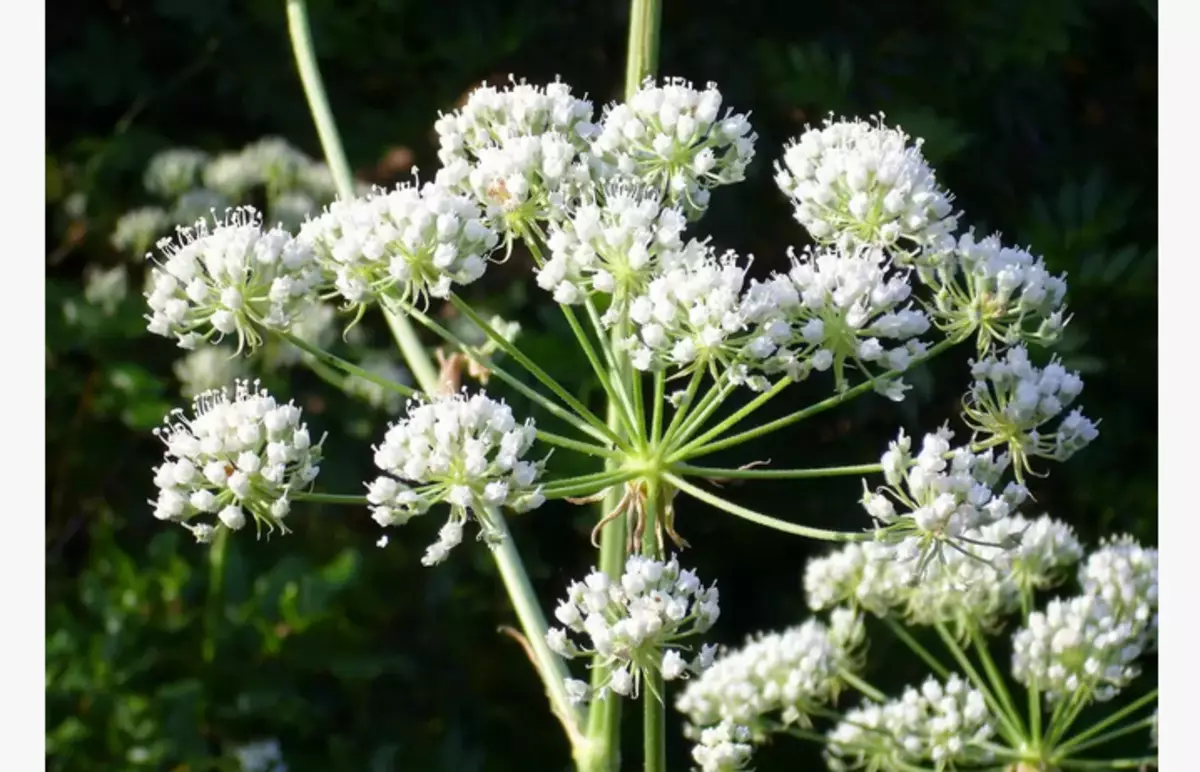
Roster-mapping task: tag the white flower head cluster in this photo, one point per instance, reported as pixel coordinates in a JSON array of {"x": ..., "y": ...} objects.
[
  {"x": 137, "y": 230},
  {"x": 948, "y": 725},
  {"x": 1077, "y": 644},
  {"x": 782, "y": 675},
  {"x": 206, "y": 368},
  {"x": 674, "y": 138},
  {"x": 517, "y": 150},
  {"x": 694, "y": 314},
  {"x": 407, "y": 243},
  {"x": 857, "y": 183},
  {"x": 270, "y": 161},
  {"x": 1006, "y": 291},
  {"x": 845, "y": 308},
  {"x": 612, "y": 243},
  {"x": 173, "y": 172},
  {"x": 635, "y": 623},
  {"x": 229, "y": 278},
  {"x": 979, "y": 582},
  {"x": 1012, "y": 401},
  {"x": 260, "y": 756},
  {"x": 943, "y": 494},
  {"x": 723, "y": 748},
  {"x": 465, "y": 451},
  {"x": 240, "y": 452},
  {"x": 1124, "y": 575}
]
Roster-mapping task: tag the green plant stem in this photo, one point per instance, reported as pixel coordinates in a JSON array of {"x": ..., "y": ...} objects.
[
  {"x": 590, "y": 487},
  {"x": 1137, "y": 763},
  {"x": 1065, "y": 718},
  {"x": 660, "y": 388},
  {"x": 550, "y": 666},
  {"x": 770, "y": 522},
  {"x": 609, "y": 380},
  {"x": 583, "y": 447},
  {"x": 685, "y": 405},
  {"x": 216, "y": 587},
  {"x": 695, "y": 448},
  {"x": 645, "y": 18},
  {"x": 912, "y": 643},
  {"x": 1136, "y": 726},
  {"x": 654, "y": 696},
  {"x": 734, "y": 419},
  {"x": 1108, "y": 721},
  {"x": 709, "y": 403},
  {"x": 1007, "y": 726},
  {"x": 331, "y": 145},
  {"x": 331, "y": 498},
  {"x": 713, "y": 473},
  {"x": 862, "y": 686},
  {"x": 349, "y": 368},
  {"x": 993, "y": 674}
]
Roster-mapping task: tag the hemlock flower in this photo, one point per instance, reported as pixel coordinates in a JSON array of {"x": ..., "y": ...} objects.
[
  {"x": 517, "y": 150},
  {"x": 674, "y": 138},
  {"x": 229, "y": 279},
  {"x": 406, "y": 244},
  {"x": 1005, "y": 293},
  {"x": 789, "y": 673},
  {"x": 946, "y": 724},
  {"x": 1011, "y": 402},
  {"x": 270, "y": 161},
  {"x": 173, "y": 172},
  {"x": 846, "y": 308},
  {"x": 613, "y": 243},
  {"x": 464, "y": 451},
  {"x": 855, "y": 184},
  {"x": 1124, "y": 575},
  {"x": 239, "y": 453},
  {"x": 865, "y": 575},
  {"x": 723, "y": 748},
  {"x": 1077, "y": 645},
  {"x": 137, "y": 230},
  {"x": 635, "y": 623}
]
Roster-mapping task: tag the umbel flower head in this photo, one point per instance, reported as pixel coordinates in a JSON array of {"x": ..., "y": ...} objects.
[
  {"x": 948, "y": 725},
  {"x": 783, "y": 676},
  {"x": 854, "y": 183},
  {"x": 1124, "y": 575},
  {"x": 846, "y": 309},
  {"x": 723, "y": 748},
  {"x": 138, "y": 229},
  {"x": 612, "y": 243},
  {"x": 674, "y": 138},
  {"x": 465, "y": 451},
  {"x": 239, "y": 453},
  {"x": 405, "y": 244},
  {"x": 229, "y": 278},
  {"x": 517, "y": 150},
  {"x": 635, "y": 623},
  {"x": 1011, "y": 400},
  {"x": 1005, "y": 293},
  {"x": 943, "y": 494},
  {"x": 174, "y": 172}
]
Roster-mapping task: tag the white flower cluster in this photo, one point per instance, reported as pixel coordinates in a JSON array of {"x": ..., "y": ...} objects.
[
  {"x": 980, "y": 582},
  {"x": 229, "y": 278},
  {"x": 1124, "y": 575},
  {"x": 260, "y": 756},
  {"x": 407, "y": 243},
  {"x": 790, "y": 672},
  {"x": 465, "y": 451},
  {"x": 943, "y": 493},
  {"x": 1006, "y": 291},
  {"x": 517, "y": 150},
  {"x": 272, "y": 162},
  {"x": 674, "y": 138},
  {"x": 239, "y": 452},
  {"x": 173, "y": 172},
  {"x": 138, "y": 229},
  {"x": 844, "y": 308},
  {"x": 613, "y": 243},
  {"x": 628, "y": 621},
  {"x": 723, "y": 748},
  {"x": 946, "y": 724},
  {"x": 1011, "y": 400},
  {"x": 206, "y": 368},
  {"x": 854, "y": 183}
]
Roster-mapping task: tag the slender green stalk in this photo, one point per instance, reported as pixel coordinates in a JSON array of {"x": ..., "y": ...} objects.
[
  {"x": 347, "y": 367},
  {"x": 761, "y": 519},
  {"x": 550, "y": 666},
  {"x": 654, "y": 696},
  {"x": 685, "y": 405},
  {"x": 912, "y": 643},
  {"x": 774, "y": 474},
  {"x": 330, "y": 498},
  {"x": 737, "y": 416},
  {"x": 1063, "y": 720},
  {"x": 1137, "y": 763},
  {"x": 609, "y": 380},
  {"x": 1108, "y": 721},
  {"x": 696, "y": 448},
  {"x": 1008, "y": 727},
  {"x": 589, "y": 487},
  {"x": 216, "y": 587},
  {"x": 583, "y": 447},
  {"x": 1136, "y": 726},
  {"x": 656, "y": 421},
  {"x": 331, "y": 144},
  {"x": 862, "y": 686},
  {"x": 993, "y": 674},
  {"x": 712, "y": 399}
]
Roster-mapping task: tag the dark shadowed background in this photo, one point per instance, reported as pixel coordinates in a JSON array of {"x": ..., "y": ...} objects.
[{"x": 1039, "y": 114}]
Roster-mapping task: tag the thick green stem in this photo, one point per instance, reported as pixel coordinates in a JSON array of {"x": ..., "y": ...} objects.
[
  {"x": 771, "y": 522},
  {"x": 550, "y": 666},
  {"x": 216, "y": 587},
  {"x": 645, "y": 18}
]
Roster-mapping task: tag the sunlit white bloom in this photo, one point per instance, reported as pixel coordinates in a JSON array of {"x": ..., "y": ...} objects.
[
  {"x": 636, "y": 622},
  {"x": 723, "y": 748},
  {"x": 1124, "y": 575},
  {"x": 466, "y": 451},
  {"x": 239, "y": 454}
]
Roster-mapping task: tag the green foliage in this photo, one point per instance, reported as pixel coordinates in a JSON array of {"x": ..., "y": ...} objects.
[{"x": 359, "y": 658}]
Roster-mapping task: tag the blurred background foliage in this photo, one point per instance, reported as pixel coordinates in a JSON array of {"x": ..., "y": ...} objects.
[{"x": 331, "y": 654}]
